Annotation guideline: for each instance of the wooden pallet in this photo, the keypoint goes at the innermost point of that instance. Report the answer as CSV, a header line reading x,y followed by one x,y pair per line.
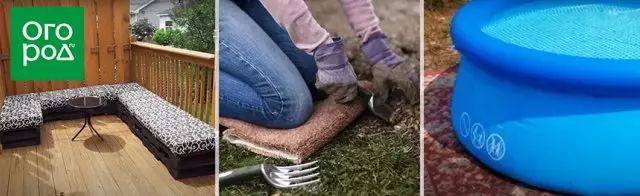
x,y
191,165
28,136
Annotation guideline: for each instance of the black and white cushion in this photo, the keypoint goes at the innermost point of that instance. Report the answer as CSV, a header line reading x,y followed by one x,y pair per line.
x,y
134,101
20,111
59,98
106,91
128,87
179,131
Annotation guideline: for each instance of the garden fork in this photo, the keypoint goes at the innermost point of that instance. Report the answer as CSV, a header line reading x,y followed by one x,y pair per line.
x,y
277,176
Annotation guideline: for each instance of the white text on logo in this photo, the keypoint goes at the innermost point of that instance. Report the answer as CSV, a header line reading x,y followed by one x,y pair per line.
x,y
48,52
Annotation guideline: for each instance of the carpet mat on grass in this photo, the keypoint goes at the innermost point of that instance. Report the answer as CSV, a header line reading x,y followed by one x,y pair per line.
x,y
297,144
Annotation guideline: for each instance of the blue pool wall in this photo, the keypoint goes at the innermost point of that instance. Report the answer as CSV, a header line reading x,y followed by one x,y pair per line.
x,y
562,123
565,142
553,71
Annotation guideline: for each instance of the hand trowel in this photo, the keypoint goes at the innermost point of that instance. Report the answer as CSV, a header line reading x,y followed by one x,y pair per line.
x,y
377,106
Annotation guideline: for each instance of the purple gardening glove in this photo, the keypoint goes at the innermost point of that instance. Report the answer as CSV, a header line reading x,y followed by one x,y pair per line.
x,y
335,74
389,69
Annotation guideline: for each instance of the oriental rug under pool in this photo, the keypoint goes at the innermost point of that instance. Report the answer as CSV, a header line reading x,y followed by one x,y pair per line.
x,y
449,169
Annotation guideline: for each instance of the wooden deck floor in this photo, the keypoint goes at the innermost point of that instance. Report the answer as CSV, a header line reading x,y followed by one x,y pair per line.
x,y
120,165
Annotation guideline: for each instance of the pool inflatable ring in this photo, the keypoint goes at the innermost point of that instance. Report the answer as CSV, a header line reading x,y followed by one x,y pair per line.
x,y
548,92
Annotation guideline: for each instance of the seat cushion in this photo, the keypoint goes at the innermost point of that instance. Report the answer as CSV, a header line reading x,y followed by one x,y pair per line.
x,y
59,98
180,132
111,91
20,111
128,87
106,91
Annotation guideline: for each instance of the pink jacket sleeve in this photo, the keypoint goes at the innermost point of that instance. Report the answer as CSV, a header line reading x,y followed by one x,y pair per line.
x,y
304,30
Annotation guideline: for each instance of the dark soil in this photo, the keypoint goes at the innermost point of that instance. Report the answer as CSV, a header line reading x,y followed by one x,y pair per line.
x,y
438,51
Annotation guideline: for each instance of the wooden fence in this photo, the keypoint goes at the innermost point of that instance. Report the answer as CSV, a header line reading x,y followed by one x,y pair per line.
x,y
183,77
107,45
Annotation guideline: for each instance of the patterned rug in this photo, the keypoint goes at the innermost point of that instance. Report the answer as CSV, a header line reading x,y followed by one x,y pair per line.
x,y
449,169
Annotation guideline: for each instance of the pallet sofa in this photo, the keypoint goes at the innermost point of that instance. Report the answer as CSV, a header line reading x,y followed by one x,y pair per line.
x,y
184,144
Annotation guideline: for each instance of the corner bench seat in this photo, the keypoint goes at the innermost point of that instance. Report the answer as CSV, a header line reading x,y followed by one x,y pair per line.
x,y
54,103
59,98
175,128
183,143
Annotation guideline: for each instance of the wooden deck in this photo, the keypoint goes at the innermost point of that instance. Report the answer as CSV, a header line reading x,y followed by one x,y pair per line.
x,y
120,165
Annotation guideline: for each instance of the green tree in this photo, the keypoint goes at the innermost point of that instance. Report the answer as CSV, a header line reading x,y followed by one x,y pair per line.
x,y
142,29
197,19
166,37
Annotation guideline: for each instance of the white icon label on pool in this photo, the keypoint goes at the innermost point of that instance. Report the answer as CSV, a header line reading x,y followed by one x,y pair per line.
x,y
494,144
495,147
465,122
477,137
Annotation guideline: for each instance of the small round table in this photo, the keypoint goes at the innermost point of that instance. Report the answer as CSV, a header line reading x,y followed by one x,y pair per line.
x,y
87,105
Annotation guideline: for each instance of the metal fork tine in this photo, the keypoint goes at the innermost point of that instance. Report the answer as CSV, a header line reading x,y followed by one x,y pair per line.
x,y
296,167
300,184
296,173
293,176
300,179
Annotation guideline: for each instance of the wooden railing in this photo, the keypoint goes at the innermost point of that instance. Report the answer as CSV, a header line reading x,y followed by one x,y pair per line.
x,y
182,77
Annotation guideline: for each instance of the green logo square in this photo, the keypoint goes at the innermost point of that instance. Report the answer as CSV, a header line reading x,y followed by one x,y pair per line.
x,y
47,43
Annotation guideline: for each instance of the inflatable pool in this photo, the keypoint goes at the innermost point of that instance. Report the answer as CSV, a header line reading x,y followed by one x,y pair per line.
x,y
548,92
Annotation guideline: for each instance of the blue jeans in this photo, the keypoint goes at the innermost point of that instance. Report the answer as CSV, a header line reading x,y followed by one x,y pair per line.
x,y
264,78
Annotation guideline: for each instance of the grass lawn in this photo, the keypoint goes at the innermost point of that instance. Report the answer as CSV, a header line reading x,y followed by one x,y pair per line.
x,y
366,158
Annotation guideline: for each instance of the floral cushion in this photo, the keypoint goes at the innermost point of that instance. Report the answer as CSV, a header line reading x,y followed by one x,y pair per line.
x,y
121,88
59,98
20,111
108,92
179,131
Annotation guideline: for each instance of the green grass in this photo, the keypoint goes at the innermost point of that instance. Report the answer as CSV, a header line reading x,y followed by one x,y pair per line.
x,y
367,158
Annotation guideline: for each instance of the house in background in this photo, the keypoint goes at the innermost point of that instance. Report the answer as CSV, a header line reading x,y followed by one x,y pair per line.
x,y
165,20
156,11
